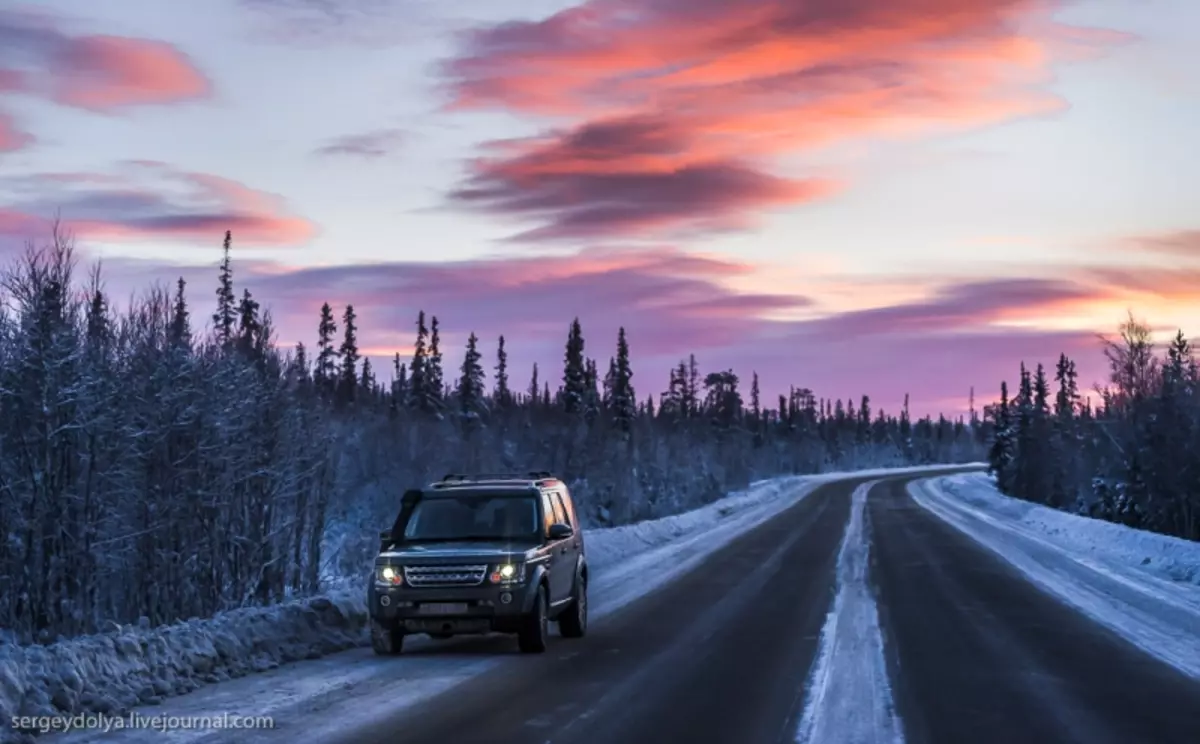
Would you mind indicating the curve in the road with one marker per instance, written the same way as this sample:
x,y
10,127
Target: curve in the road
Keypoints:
x,y
727,653
720,655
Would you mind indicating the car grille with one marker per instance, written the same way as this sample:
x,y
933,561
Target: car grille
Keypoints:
x,y
422,576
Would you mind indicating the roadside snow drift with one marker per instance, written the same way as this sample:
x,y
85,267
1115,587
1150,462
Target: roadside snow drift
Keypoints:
x,y
1143,586
117,672
113,672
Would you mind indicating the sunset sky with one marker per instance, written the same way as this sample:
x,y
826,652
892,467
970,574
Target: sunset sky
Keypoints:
x,y
856,196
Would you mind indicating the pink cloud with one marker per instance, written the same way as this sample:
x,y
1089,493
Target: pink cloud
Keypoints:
x,y
675,109
94,72
1182,244
966,305
151,201
12,138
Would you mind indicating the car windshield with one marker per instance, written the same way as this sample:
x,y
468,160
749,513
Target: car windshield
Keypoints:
x,y
473,517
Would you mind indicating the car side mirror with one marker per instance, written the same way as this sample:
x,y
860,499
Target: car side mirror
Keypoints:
x,y
559,531
385,540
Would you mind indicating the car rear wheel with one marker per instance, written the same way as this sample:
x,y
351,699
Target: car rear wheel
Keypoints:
x,y
535,626
385,640
572,623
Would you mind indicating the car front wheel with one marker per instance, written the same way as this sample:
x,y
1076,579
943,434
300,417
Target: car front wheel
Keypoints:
x,y
573,622
386,641
534,628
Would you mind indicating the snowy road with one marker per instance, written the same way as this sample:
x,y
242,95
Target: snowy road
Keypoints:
x,y
850,615
980,654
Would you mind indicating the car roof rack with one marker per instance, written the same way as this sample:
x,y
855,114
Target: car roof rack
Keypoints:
x,y
532,475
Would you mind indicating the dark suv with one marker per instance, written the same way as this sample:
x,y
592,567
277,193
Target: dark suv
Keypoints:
x,y
481,554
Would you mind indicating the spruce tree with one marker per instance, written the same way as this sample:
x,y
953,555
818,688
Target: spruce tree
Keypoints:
x,y
501,392
534,391
864,420
755,403
299,369
348,378
606,396
1024,430
591,392
434,373
691,389
249,325
396,400
181,326
325,371
471,378
225,315
366,381
402,385
418,370
624,398
574,399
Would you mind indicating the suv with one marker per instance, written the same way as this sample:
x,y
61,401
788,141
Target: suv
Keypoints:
x,y
481,554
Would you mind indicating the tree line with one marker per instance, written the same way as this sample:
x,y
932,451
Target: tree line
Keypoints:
x,y
159,464
1132,458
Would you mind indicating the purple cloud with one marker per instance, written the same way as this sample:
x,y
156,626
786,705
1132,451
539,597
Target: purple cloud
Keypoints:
x,y
374,144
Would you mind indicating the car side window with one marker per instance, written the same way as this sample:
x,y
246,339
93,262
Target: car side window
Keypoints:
x,y
561,508
569,506
559,515
548,516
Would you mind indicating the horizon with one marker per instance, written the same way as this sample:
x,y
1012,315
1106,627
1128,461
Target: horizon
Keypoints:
x,y
837,212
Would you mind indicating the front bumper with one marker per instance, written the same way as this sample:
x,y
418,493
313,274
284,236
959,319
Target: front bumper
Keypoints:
x,y
488,608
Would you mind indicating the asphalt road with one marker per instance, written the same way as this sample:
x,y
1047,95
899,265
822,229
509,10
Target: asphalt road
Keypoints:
x,y
977,654
723,655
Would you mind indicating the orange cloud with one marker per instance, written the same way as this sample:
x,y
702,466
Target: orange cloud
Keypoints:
x,y
98,73
148,200
678,106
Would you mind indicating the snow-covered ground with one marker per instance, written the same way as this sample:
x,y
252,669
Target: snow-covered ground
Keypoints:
x,y
247,652
849,697
1142,585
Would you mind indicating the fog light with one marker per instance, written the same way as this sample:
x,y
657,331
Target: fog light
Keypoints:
x,y
385,600
506,598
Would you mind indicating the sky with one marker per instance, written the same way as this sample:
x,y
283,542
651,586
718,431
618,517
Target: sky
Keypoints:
x,y
881,197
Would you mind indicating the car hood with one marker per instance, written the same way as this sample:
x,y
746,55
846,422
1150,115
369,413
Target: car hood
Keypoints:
x,y
466,549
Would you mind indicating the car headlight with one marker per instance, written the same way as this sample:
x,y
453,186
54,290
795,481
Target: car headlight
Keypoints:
x,y
389,575
508,573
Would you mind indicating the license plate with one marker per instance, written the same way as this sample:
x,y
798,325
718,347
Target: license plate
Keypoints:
x,y
443,608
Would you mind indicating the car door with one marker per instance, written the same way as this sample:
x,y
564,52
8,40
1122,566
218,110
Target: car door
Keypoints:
x,y
570,552
562,570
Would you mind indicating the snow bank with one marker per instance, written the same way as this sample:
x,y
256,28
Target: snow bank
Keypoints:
x,y
1139,584
1169,558
113,672
136,666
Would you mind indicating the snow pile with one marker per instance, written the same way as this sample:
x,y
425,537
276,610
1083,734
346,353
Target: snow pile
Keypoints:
x,y
1140,585
1164,557
110,673
606,545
